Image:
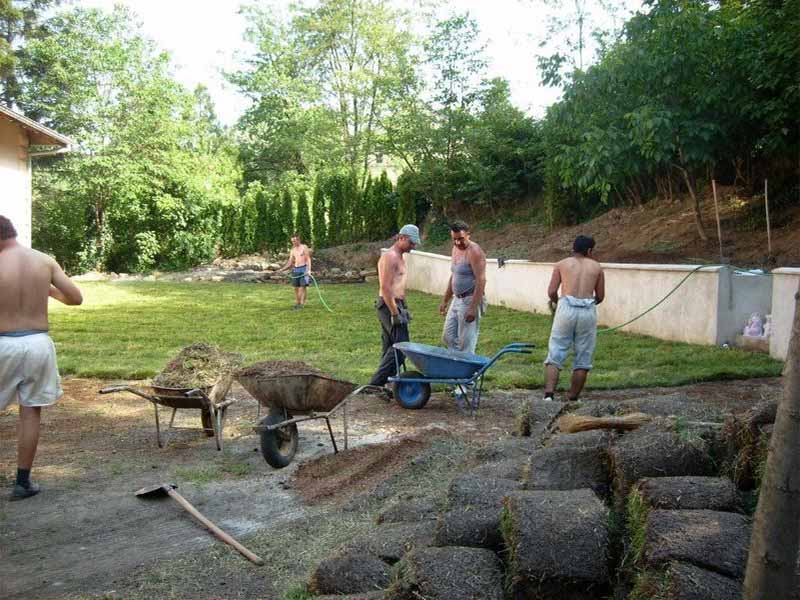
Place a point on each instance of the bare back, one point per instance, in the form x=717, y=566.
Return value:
x=27, y=279
x=392, y=273
x=580, y=277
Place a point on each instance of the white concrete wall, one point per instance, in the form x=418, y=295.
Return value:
x=741, y=295
x=15, y=179
x=689, y=315
x=785, y=284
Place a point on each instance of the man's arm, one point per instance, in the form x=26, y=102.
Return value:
x=308, y=261
x=288, y=264
x=600, y=288
x=477, y=261
x=555, y=282
x=448, y=295
x=386, y=272
x=63, y=289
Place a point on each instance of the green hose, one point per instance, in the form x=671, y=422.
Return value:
x=316, y=286
x=672, y=291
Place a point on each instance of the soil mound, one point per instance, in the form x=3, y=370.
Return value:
x=349, y=574
x=447, y=574
x=197, y=366
x=269, y=369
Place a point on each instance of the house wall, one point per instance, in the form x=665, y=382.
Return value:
x=708, y=308
x=15, y=179
x=784, y=287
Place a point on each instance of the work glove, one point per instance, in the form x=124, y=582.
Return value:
x=401, y=318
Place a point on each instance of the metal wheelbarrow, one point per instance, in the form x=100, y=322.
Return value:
x=464, y=370
x=311, y=396
x=212, y=401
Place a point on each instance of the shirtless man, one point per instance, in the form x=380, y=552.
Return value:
x=28, y=370
x=582, y=288
x=465, y=289
x=393, y=313
x=300, y=261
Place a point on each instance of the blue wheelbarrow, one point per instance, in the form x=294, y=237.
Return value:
x=464, y=370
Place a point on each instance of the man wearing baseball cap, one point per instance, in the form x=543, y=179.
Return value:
x=393, y=313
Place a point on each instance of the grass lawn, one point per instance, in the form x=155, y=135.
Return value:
x=131, y=329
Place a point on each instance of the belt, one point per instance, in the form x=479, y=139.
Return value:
x=465, y=294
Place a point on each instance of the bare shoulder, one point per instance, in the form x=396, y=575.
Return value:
x=41, y=257
x=476, y=251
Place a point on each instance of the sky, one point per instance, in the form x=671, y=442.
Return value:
x=203, y=39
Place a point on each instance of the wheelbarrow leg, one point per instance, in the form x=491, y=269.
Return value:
x=219, y=419
x=172, y=418
x=344, y=423
x=158, y=426
x=330, y=431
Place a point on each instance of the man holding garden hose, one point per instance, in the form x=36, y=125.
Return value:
x=300, y=262
x=393, y=313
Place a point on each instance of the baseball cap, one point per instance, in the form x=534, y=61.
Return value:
x=412, y=231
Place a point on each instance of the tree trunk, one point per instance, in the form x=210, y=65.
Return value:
x=772, y=563
x=698, y=219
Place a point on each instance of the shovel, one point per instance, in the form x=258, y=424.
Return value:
x=168, y=489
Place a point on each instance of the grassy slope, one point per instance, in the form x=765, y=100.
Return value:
x=131, y=329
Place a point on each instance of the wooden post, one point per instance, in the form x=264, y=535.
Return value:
x=766, y=206
x=719, y=227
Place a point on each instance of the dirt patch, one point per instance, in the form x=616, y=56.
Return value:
x=278, y=368
x=353, y=472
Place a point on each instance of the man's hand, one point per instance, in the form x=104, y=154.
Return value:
x=443, y=308
x=469, y=316
x=401, y=318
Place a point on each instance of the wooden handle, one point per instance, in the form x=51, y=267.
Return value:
x=213, y=528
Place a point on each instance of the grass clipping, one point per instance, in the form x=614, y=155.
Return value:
x=198, y=365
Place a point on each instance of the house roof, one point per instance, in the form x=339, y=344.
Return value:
x=38, y=134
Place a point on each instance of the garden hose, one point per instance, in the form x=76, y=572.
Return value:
x=316, y=286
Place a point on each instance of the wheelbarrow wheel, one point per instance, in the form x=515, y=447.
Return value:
x=412, y=394
x=208, y=422
x=278, y=446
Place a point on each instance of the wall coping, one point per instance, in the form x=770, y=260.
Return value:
x=787, y=271
x=621, y=266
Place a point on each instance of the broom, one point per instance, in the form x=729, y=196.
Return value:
x=574, y=423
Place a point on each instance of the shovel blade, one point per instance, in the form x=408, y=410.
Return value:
x=155, y=491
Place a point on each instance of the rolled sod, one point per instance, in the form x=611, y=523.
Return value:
x=473, y=526
x=682, y=581
x=599, y=439
x=643, y=454
x=558, y=543
x=712, y=493
x=451, y=573
x=391, y=541
x=409, y=510
x=517, y=447
x=378, y=595
x=568, y=469
x=349, y=573
x=473, y=490
x=668, y=405
x=541, y=414
x=512, y=468
x=707, y=538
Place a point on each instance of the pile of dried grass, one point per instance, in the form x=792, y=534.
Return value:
x=198, y=365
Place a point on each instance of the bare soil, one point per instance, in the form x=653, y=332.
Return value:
x=87, y=536
x=657, y=232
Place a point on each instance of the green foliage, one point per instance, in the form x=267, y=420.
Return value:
x=406, y=207
x=320, y=216
x=286, y=221
x=337, y=217
x=303, y=222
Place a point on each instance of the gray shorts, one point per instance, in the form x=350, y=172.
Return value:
x=28, y=371
x=300, y=276
x=575, y=324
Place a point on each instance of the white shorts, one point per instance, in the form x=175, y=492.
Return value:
x=28, y=370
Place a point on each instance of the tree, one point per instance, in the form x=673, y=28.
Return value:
x=20, y=22
x=406, y=208
x=286, y=216
x=772, y=562
x=261, y=234
x=320, y=215
x=337, y=216
x=303, y=226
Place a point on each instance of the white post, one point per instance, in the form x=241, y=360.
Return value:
x=766, y=206
x=719, y=227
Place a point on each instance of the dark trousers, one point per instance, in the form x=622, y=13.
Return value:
x=389, y=335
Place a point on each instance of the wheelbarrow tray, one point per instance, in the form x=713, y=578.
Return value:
x=297, y=393
x=440, y=363
x=177, y=397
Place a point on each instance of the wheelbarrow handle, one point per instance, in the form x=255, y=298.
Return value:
x=111, y=389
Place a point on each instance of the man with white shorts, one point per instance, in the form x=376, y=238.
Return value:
x=28, y=369
x=583, y=287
